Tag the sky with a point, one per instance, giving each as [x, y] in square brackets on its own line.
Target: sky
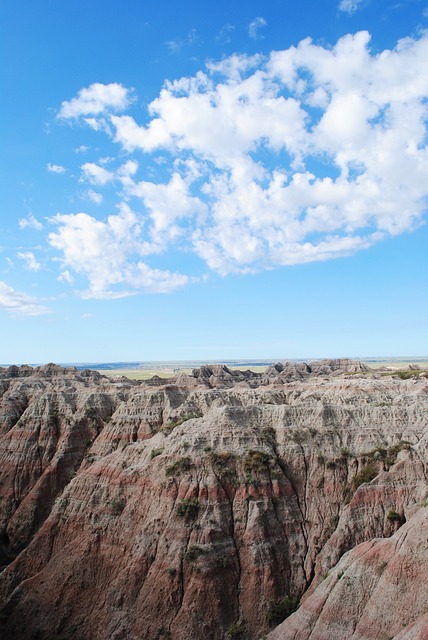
[228, 180]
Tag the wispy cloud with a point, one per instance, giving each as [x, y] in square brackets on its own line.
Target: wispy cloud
[224, 35]
[351, 6]
[255, 27]
[30, 260]
[175, 46]
[55, 168]
[94, 196]
[31, 222]
[17, 303]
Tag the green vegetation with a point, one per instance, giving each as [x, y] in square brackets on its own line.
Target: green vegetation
[366, 474]
[279, 611]
[176, 422]
[91, 413]
[393, 516]
[221, 462]
[388, 455]
[117, 505]
[193, 552]
[236, 632]
[188, 508]
[155, 452]
[269, 436]
[179, 466]
[256, 461]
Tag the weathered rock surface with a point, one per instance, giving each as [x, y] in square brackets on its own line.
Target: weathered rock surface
[189, 509]
[377, 590]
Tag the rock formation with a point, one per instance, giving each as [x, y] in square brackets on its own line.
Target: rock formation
[208, 506]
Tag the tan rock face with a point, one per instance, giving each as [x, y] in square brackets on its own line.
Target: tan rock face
[185, 511]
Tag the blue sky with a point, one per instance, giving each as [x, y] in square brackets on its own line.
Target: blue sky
[213, 180]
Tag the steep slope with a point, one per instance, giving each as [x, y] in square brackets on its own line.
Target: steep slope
[189, 510]
[378, 590]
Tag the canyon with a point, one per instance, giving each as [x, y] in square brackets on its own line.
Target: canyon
[220, 505]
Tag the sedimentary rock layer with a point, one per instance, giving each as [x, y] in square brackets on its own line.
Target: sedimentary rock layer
[204, 507]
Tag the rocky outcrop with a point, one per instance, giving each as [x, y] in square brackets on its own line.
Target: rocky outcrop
[377, 590]
[206, 507]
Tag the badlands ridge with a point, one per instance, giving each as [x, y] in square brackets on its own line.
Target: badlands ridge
[220, 505]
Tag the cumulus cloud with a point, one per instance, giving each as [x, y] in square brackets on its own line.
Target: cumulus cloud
[255, 26]
[310, 153]
[108, 254]
[30, 260]
[96, 99]
[20, 304]
[350, 6]
[55, 168]
[31, 222]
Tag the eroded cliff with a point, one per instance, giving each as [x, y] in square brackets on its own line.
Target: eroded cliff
[206, 506]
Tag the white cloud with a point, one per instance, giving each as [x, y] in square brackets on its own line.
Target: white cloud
[94, 196]
[255, 26]
[108, 254]
[311, 153]
[83, 148]
[93, 173]
[30, 260]
[175, 46]
[350, 6]
[55, 168]
[224, 35]
[31, 222]
[95, 100]
[20, 304]
[166, 204]
[65, 276]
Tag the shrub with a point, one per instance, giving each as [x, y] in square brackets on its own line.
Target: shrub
[236, 632]
[193, 552]
[269, 435]
[179, 466]
[175, 422]
[393, 516]
[117, 505]
[188, 508]
[255, 461]
[279, 611]
[221, 462]
[367, 473]
[155, 452]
